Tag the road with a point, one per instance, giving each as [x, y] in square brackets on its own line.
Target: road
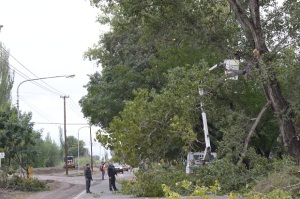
[72, 186]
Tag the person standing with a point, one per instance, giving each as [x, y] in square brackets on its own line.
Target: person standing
[146, 165]
[111, 172]
[103, 169]
[88, 178]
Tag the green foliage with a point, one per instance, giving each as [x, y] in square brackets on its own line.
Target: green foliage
[148, 183]
[234, 177]
[22, 144]
[16, 135]
[202, 191]
[209, 193]
[275, 194]
[146, 43]
[72, 143]
[6, 76]
[23, 184]
[155, 58]
[285, 176]
[264, 179]
[159, 124]
[230, 176]
[45, 153]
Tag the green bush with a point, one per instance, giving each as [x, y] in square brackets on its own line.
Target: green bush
[230, 176]
[263, 176]
[23, 184]
[148, 183]
[211, 191]
[287, 179]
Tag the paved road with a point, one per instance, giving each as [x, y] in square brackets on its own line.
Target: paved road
[100, 189]
[72, 186]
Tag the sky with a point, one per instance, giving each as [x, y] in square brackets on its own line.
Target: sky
[47, 38]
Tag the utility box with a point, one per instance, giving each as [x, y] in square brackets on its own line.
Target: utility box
[231, 66]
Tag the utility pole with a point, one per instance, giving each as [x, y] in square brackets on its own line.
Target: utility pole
[91, 147]
[65, 133]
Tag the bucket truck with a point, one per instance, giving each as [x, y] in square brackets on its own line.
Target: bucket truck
[196, 159]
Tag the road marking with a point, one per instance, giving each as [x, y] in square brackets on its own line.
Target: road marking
[79, 195]
[83, 192]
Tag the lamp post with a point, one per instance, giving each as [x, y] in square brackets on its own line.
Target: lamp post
[29, 80]
[78, 147]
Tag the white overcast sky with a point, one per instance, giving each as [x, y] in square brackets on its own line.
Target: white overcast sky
[49, 38]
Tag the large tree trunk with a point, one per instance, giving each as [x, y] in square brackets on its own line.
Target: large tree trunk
[287, 128]
[271, 85]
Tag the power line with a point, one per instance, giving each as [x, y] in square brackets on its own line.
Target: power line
[26, 77]
[35, 109]
[54, 89]
[75, 109]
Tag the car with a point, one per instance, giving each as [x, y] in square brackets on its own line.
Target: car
[118, 167]
[126, 167]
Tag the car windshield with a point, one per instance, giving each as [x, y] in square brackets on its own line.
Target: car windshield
[116, 164]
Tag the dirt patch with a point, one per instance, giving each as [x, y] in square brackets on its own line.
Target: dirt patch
[58, 185]
[56, 190]
[16, 194]
[49, 170]
[12, 194]
[59, 190]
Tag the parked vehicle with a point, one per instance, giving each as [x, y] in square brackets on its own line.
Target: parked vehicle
[118, 167]
[126, 167]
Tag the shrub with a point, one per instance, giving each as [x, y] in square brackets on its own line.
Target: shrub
[23, 184]
[276, 176]
[287, 179]
[148, 183]
[230, 176]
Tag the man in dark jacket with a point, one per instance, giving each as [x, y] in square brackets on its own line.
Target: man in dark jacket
[111, 172]
[88, 178]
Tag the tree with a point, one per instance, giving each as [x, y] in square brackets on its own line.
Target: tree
[73, 146]
[182, 33]
[158, 125]
[16, 135]
[47, 152]
[265, 58]
[7, 77]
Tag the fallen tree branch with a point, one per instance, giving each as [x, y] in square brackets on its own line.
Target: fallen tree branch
[263, 110]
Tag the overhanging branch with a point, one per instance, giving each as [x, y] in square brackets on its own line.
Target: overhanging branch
[263, 110]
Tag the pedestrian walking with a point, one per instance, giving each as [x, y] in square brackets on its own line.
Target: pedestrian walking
[111, 172]
[88, 178]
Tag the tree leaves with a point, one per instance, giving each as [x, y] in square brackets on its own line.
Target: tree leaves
[158, 54]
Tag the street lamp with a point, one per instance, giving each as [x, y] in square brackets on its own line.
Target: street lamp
[78, 146]
[29, 80]
[18, 106]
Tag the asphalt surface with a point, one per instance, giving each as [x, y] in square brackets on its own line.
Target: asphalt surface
[74, 187]
[100, 188]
